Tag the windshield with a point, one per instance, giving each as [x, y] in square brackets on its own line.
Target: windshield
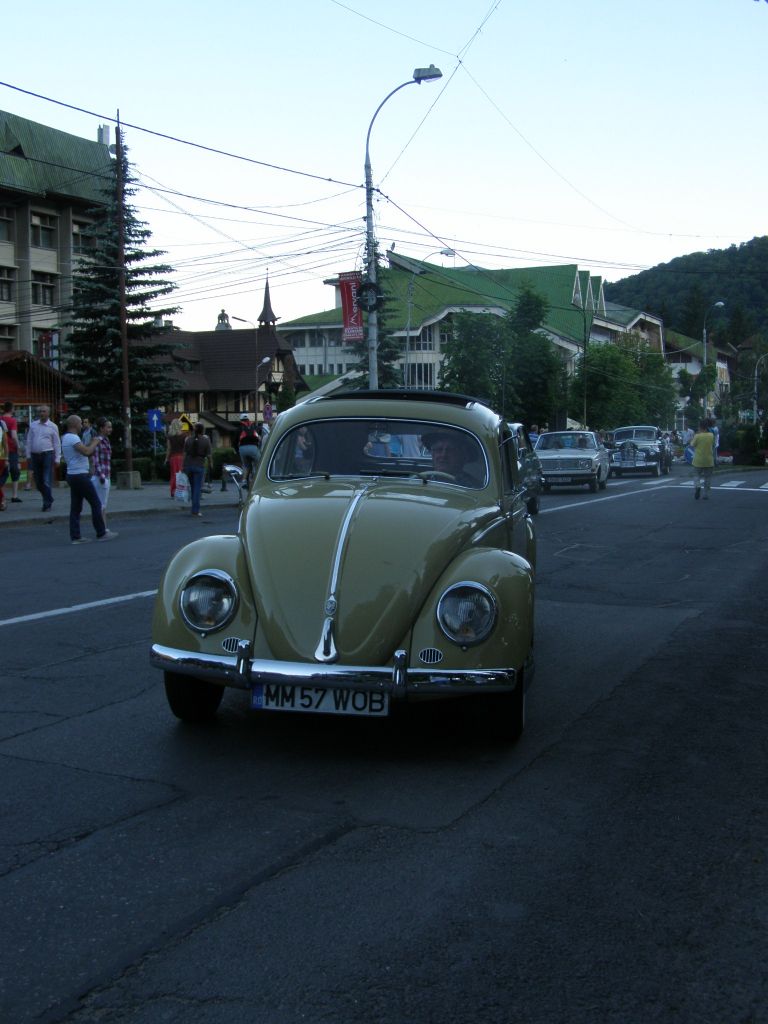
[567, 440]
[635, 434]
[380, 447]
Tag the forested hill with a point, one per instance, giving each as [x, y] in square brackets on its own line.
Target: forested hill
[683, 290]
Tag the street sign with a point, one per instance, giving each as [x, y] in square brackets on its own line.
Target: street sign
[155, 419]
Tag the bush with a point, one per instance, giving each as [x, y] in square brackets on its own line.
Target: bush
[218, 457]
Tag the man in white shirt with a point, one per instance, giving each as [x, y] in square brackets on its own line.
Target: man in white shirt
[43, 451]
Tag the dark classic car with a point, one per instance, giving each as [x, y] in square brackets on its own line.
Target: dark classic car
[384, 555]
[570, 457]
[640, 449]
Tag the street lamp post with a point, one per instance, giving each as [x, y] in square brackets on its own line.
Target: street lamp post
[754, 391]
[419, 75]
[715, 305]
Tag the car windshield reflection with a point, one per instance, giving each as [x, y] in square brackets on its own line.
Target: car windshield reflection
[566, 440]
[370, 448]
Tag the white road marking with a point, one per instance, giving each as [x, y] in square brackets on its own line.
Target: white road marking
[76, 608]
[665, 485]
[733, 483]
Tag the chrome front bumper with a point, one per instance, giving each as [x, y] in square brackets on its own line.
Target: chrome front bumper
[397, 680]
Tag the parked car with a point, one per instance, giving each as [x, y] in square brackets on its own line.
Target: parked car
[570, 457]
[530, 468]
[640, 449]
[384, 555]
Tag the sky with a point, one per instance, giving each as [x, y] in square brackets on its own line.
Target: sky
[611, 134]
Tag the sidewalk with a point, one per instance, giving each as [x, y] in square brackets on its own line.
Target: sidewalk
[153, 496]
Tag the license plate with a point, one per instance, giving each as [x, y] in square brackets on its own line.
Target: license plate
[323, 700]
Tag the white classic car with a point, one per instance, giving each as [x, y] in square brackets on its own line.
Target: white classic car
[571, 457]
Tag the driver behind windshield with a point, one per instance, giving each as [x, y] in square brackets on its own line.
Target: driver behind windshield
[450, 452]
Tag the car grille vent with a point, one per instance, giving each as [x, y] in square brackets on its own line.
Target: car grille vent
[230, 644]
[430, 656]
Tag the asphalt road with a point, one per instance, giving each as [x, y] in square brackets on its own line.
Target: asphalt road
[285, 868]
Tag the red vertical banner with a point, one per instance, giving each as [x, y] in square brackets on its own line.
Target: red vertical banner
[351, 311]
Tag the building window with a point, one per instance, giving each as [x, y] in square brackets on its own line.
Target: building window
[43, 289]
[43, 231]
[6, 284]
[6, 224]
[83, 239]
[424, 342]
[45, 344]
[7, 337]
[445, 334]
[420, 375]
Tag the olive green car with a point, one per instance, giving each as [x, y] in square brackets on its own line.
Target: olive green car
[384, 555]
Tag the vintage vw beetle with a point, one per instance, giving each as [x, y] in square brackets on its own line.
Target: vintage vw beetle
[640, 449]
[384, 554]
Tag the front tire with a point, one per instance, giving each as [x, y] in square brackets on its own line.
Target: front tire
[593, 486]
[192, 700]
[501, 716]
[533, 505]
[656, 470]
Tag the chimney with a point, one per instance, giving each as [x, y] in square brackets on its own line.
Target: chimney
[103, 134]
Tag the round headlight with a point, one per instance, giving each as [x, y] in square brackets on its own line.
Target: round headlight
[209, 601]
[466, 613]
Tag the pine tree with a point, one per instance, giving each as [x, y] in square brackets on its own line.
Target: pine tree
[93, 351]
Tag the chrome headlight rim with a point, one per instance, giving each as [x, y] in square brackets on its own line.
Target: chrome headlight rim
[462, 641]
[221, 577]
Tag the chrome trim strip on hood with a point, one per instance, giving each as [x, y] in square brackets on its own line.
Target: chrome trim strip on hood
[326, 649]
[398, 680]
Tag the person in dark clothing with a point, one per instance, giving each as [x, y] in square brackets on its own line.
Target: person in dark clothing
[197, 448]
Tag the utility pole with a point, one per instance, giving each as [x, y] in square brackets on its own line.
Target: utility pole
[128, 439]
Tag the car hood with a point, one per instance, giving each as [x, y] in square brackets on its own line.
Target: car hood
[566, 453]
[364, 555]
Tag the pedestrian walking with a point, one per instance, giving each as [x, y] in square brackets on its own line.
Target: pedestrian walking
[44, 452]
[703, 446]
[12, 445]
[248, 448]
[80, 486]
[197, 449]
[101, 463]
[89, 431]
[174, 451]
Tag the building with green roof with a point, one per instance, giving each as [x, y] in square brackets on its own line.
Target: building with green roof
[421, 299]
[50, 182]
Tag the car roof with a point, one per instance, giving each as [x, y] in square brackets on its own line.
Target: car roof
[433, 406]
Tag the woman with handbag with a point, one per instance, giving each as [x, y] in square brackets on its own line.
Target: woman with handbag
[174, 451]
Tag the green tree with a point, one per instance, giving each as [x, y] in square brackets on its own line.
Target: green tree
[93, 352]
[612, 388]
[470, 356]
[532, 364]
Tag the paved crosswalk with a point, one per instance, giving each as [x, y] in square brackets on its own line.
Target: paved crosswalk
[727, 485]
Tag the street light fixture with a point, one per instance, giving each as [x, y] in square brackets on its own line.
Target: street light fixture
[419, 75]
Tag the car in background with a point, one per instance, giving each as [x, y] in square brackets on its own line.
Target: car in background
[572, 457]
[384, 555]
[641, 448]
